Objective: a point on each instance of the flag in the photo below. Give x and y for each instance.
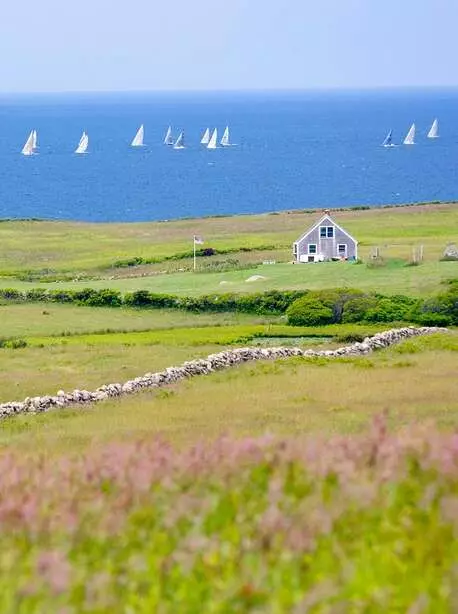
(198, 240)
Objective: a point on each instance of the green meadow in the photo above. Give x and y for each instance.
(302, 485)
(55, 248)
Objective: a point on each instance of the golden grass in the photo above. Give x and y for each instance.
(415, 381)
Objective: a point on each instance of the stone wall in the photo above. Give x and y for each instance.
(205, 366)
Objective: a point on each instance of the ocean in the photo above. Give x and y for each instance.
(294, 150)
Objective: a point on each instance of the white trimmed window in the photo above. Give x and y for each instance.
(342, 249)
(326, 232)
(312, 248)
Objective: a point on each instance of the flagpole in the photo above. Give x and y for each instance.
(194, 241)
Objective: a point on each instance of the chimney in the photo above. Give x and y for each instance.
(327, 212)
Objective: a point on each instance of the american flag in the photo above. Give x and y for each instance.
(198, 240)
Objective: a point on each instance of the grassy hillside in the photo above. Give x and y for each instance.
(80, 247)
(62, 253)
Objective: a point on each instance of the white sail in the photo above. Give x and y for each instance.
(410, 138)
(138, 138)
(225, 140)
(27, 150)
(83, 144)
(35, 140)
(168, 140)
(214, 139)
(179, 142)
(206, 137)
(388, 142)
(434, 130)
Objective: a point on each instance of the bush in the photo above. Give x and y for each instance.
(143, 298)
(434, 319)
(37, 295)
(355, 309)
(10, 294)
(104, 298)
(309, 311)
(12, 344)
(61, 296)
(391, 309)
(448, 303)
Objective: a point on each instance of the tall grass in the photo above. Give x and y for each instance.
(360, 524)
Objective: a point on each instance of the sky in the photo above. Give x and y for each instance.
(131, 45)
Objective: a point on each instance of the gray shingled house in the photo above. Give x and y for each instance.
(325, 240)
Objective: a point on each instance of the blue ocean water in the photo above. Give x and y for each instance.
(294, 151)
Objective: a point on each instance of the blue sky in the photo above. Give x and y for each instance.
(84, 45)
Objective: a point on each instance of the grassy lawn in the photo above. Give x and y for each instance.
(395, 278)
(414, 381)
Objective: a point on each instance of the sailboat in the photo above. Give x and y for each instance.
(168, 140)
(206, 137)
(179, 144)
(83, 144)
(388, 142)
(410, 138)
(27, 150)
(138, 138)
(225, 139)
(434, 130)
(34, 140)
(214, 139)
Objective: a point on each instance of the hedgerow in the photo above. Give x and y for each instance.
(302, 307)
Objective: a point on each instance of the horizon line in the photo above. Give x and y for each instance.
(260, 90)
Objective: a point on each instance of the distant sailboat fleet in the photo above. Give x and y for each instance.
(209, 140)
(433, 133)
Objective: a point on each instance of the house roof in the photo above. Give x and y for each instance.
(324, 218)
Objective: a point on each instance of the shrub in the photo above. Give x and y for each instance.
(434, 319)
(61, 296)
(12, 344)
(207, 251)
(355, 309)
(143, 298)
(11, 294)
(37, 295)
(309, 311)
(104, 298)
(391, 309)
(448, 303)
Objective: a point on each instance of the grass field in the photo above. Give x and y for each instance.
(29, 320)
(395, 278)
(414, 381)
(78, 247)
(88, 360)
(241, 521)
(80, 250)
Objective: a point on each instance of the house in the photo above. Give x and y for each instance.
(325, 240)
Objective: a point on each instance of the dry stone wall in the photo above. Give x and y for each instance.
(205, 366)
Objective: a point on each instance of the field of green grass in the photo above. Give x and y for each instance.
(414, 381)
(395, 278)
(89, 251)
(37, 319)
(262, 488)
